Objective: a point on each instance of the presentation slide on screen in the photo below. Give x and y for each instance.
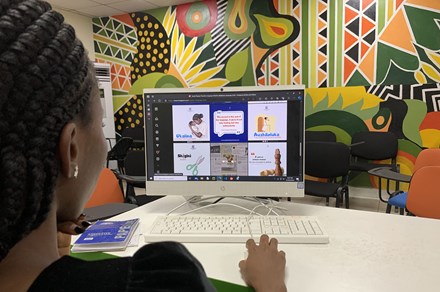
(229, 159)
(192, 158)
(267, 121)
(262, 161)
(191, 122)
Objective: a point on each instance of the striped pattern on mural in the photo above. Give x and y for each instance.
(224, 47)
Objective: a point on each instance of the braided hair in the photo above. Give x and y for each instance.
(45, 81)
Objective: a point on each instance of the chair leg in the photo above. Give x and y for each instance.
(388, 208)
(338, 198)
(347, 203)
(401, 211)
(130, 195)
(327, 201)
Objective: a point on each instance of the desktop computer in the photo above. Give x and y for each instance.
(227, 142)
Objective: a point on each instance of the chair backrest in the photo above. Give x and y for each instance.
(320, 136)
(135, 133)
(107, 190)
(427, 157)
(374, 145)
(135, 163)
(327, 159)
(424, 194)
(119, 151)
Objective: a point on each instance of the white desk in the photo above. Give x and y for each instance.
(367, 251)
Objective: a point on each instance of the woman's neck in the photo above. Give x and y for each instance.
(30, 256)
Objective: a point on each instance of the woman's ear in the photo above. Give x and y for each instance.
(68, 150)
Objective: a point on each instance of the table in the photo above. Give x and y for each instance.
(367, 251)
(386, 172)
(107, 210)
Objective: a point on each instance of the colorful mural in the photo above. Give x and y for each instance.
(385, 52)
(409, 111)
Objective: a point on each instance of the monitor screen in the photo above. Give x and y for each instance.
(232, 141)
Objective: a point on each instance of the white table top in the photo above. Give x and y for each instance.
(367, 251)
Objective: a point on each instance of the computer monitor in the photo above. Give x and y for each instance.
(231, 141)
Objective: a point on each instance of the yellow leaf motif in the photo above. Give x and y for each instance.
(169, 20)
(434, 57)
(194, 71)
(420, 77)
(185, 56)
(431, 72)
(214, 83)
(206, 74)
(174, 39)
(188, 52)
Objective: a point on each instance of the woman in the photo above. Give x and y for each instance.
(52, 150)
(197, 126)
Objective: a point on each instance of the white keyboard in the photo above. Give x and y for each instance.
(219, 229)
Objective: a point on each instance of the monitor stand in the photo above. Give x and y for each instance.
(204, 202)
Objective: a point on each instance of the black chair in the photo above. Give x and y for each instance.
(368, 147)
(119, 152)
(137, 134)
(329, 161)
(134, 177)
(320, 136)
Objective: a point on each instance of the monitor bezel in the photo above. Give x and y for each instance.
(224, 188)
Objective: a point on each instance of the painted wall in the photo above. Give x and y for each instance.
(368, 65)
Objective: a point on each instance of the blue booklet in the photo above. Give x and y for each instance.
(106, 235)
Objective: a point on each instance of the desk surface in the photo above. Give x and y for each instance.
(367, 251)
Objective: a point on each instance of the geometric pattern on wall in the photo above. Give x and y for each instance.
(282, 66)
(270, 70)
(114, 38)
(120, 77)
(428, 93)
(401, 53)
(295, 47)
(322, 42)
(224, 47)
(153, 46)
(115, 43)
(360, 33)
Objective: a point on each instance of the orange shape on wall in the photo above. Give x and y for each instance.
(368, 64)
(366, 3)
(397, 33)
(349, 15)
(349, 66)
(427, 3)
(367, 25)
(349, 40)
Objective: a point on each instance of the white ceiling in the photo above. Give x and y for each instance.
(97, 8)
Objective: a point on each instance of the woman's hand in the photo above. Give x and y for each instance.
(66, 230)
(264, 269)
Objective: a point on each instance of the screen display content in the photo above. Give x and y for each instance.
(218, 138)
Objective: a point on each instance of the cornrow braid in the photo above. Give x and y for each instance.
(46, 81)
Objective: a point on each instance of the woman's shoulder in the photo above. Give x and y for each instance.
(73, 274)
(165, 266)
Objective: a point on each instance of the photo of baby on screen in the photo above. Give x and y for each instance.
(198, 126)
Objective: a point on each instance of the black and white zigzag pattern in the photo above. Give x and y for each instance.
(428, 93)
(223, 46)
